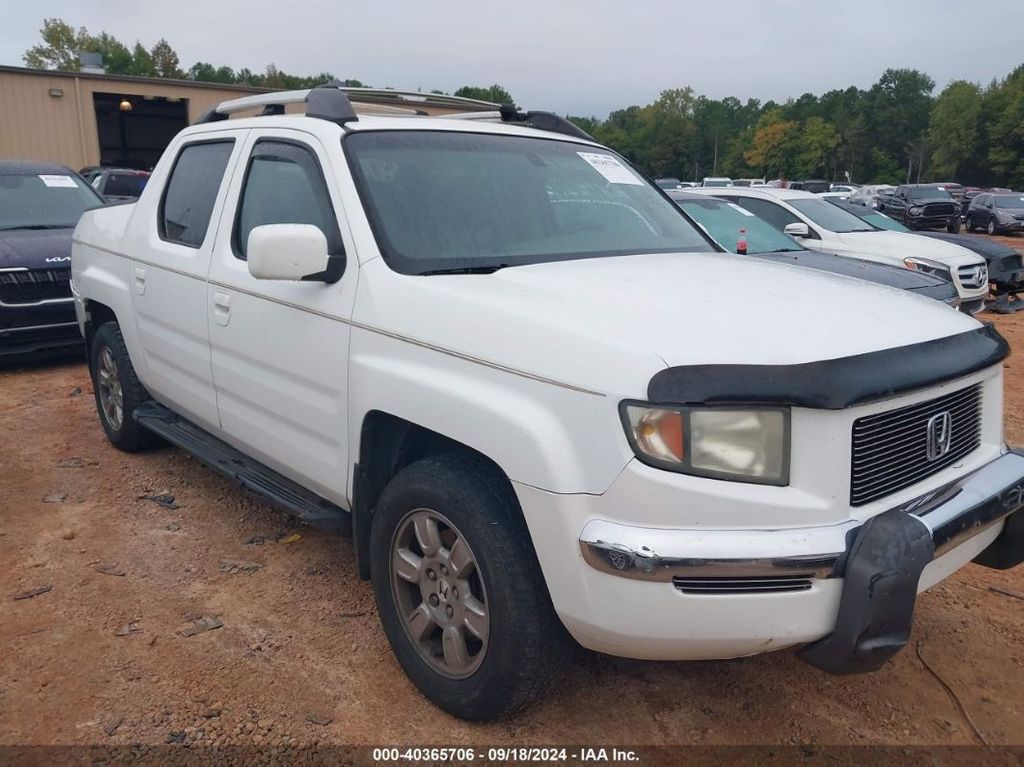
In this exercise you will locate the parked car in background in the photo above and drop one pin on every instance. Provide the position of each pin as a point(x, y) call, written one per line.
point(748, 182)
point(868, 195)
point(848, 188)
point(528, 403)
point(818, 224)
point(669, 182)
point(716, 181)
point(118, 184)
point(922, 206)
point(996, 213)
point(39, 207)
point(737, 230)
point(815, 185)
point(1005, 264)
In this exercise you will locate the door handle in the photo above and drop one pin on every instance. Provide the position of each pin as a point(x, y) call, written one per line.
point(139, 275)
point(221, 307)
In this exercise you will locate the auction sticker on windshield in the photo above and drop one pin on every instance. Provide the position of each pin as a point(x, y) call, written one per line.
point(613, 170)
point(54, 180)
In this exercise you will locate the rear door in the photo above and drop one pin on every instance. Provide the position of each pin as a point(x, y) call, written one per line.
point(169, 266)
point(279, 348)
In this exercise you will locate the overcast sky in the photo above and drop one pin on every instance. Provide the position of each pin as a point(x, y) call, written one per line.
point(577, 56)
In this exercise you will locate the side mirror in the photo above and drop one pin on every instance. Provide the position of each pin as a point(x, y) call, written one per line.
point(293, 252)
point(798, 229)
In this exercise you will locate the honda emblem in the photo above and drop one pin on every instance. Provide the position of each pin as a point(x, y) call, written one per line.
point(939, 435)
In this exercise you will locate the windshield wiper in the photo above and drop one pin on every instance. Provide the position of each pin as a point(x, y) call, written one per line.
point(36, 226)
point(490, 269)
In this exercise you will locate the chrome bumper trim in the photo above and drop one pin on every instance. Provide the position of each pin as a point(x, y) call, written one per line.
point(953, 514)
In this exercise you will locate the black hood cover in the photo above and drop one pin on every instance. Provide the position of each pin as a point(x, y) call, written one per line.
point(35, 248)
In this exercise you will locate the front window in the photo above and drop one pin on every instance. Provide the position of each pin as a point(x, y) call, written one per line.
point(829, 217)
point(452, 201)
point(44, 200)
point(1015, 201)
point(723, 221)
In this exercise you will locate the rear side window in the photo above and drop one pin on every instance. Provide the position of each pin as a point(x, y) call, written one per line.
point(191, 191)
point(284, 185)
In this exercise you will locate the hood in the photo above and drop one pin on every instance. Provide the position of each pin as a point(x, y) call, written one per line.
point(872, 271)
point(35, 248)
point(608, 324)
point(903, 244)
point(983, 246)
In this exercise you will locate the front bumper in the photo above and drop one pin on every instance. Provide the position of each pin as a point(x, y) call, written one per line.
point(860, 579)
point(31, 329)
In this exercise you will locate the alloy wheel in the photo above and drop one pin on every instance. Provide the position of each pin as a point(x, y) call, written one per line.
point(108, 383)
point(439, 592)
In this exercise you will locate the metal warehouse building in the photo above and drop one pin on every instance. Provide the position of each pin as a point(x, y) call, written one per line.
point(90, 118)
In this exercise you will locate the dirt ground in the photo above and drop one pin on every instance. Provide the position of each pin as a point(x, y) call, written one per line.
point(300, 659)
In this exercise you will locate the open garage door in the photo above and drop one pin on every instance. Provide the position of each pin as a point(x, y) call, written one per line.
point(135, 130)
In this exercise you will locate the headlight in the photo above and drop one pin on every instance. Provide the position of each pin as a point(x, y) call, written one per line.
point(916, 211)
point(740, 444)
point(928, 267)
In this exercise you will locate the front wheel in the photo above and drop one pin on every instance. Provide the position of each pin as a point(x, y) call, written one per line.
point(118, 390)
point(991, 228)
point(953, 227)
point(968, 226)
point(459, 590)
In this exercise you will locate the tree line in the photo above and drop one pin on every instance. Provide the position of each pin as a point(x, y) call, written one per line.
point(895, 131)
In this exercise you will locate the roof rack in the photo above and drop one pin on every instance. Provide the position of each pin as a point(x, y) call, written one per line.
point(332, 101)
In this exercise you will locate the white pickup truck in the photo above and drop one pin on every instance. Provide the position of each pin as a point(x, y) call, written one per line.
point(497, 354)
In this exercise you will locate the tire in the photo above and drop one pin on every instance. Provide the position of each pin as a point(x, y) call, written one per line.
point(118, 391)
point(968, 226)
point(953, 228)
point(991, 228)
point(474, 510)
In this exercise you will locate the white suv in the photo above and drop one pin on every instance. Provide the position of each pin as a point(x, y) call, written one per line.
point(482, 345)
point(819, 225)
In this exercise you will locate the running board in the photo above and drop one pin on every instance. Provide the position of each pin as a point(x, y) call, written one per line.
point(250, 474)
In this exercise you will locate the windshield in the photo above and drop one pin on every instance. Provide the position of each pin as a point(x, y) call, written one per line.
point(882, 221)
point(33, 201)
point(723, 221)
point(1009, 201)
point(443, 201)
point(125, 184)
point(828, 216)
point(930, 193)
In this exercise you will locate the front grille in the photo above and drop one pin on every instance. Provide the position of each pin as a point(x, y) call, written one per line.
point(940, 209)
point(742, 584)
point(973, 276)
point(31, 287)
point(890, 450)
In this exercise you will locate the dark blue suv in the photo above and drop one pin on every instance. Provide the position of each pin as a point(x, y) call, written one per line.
point(39, 207)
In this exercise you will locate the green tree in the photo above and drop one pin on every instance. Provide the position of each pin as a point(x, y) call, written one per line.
point(1005, 130)
point(165, 60)
point(818, 141)
point(60, 47)
point(142, 62)
point(953, 129)
point(495, 94)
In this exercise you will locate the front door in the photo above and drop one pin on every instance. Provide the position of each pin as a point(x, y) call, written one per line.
point(279, 348)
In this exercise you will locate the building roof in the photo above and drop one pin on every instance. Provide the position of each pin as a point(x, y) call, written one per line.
point(166, 81)
point(29, 168)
